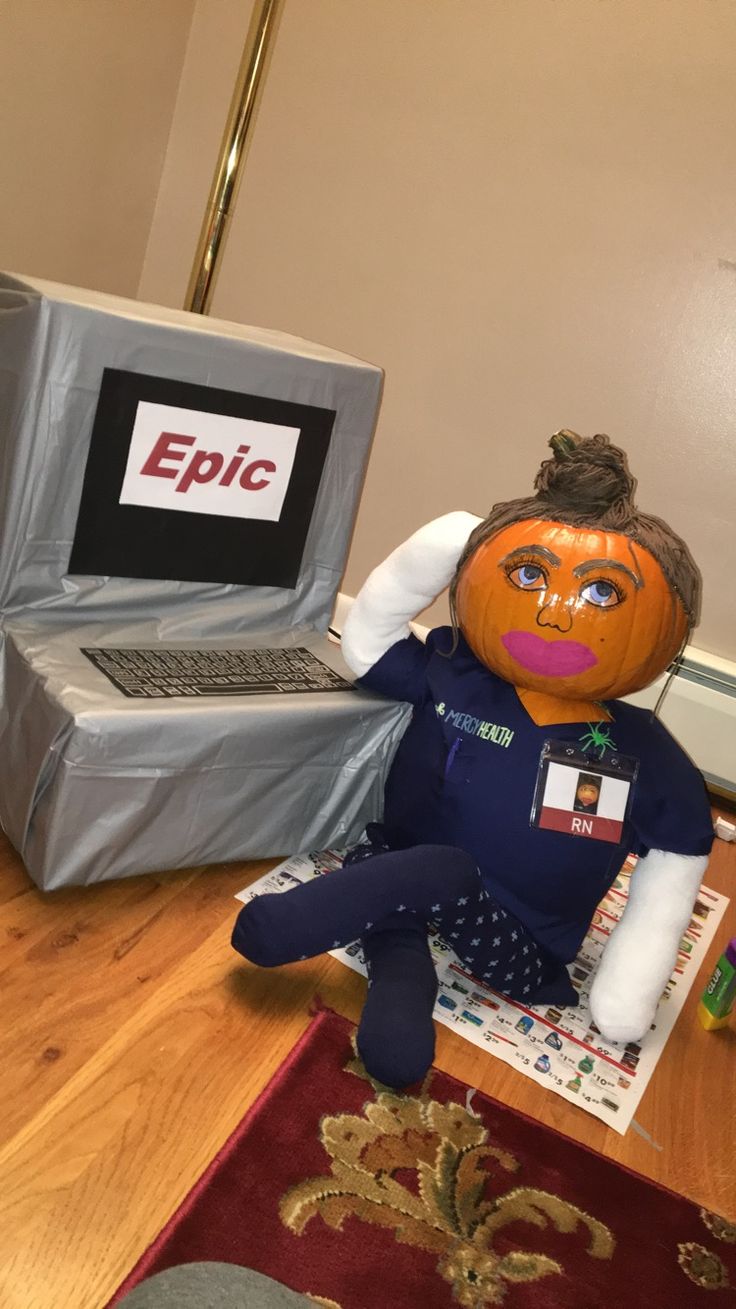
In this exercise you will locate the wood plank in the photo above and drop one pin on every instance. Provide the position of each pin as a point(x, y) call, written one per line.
point(77, 961)
point(98, 1168)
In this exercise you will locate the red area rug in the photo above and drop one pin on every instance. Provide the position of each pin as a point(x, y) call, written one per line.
point(365, 1199)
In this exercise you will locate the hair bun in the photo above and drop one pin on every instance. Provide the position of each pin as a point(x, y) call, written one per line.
point(588, 475)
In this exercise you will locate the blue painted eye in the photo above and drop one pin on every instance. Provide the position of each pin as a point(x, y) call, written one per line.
point(601, 593)
point(529, 577)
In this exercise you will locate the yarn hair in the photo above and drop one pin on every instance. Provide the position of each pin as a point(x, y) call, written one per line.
point(587, 483)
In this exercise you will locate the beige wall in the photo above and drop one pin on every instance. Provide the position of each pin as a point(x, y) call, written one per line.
point(210, 67)
point(522, 209)
point(87, 93)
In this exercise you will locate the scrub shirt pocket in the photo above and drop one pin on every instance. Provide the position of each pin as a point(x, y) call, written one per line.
point(459, 762)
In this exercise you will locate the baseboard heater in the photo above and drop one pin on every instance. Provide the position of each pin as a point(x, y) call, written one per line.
point(699, 709)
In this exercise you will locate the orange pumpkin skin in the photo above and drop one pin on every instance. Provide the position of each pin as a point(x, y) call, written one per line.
point(573, 612)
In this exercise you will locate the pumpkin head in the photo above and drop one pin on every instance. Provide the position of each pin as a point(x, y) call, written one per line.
point(573, 592)
point(575, 612)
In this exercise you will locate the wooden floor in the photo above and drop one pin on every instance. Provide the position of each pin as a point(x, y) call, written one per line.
point(133, 1040)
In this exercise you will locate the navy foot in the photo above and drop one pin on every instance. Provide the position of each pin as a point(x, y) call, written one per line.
point(396, 1033)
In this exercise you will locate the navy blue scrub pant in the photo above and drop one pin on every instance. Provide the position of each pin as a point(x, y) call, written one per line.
point(390, 900)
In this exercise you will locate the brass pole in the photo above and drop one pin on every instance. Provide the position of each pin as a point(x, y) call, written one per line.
point(233, 150)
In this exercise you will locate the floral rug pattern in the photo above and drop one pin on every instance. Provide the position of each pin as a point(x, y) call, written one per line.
point(362, 1198)
point(443, 1206)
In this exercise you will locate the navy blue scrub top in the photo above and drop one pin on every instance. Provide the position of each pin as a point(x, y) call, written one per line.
point(465, 774)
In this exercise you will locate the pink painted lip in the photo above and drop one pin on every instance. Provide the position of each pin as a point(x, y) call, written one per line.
point(551, 658)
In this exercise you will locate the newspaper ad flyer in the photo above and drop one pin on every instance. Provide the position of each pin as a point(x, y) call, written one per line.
point(561, 1049)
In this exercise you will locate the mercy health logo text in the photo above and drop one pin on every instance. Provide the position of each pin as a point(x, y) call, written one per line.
point(204, 463)
point(475, 726)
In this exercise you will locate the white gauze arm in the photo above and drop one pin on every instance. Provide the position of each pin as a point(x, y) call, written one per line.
point(640, 955)
point(412, 577)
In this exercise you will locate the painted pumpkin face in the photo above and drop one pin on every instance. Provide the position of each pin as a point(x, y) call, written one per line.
point(587, 794)
point(573, 612)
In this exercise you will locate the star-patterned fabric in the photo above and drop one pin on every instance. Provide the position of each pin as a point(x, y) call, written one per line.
point(491, 943)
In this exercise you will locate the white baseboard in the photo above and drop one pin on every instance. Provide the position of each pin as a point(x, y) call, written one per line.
point(341, 611)
point(703, 720)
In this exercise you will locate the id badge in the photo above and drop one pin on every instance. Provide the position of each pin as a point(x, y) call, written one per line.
point(583, 796)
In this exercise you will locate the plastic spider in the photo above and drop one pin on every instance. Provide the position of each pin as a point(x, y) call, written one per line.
point(597, 738)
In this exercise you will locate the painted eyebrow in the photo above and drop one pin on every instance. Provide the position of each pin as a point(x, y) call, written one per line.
point(533, 549)
point(593, 564)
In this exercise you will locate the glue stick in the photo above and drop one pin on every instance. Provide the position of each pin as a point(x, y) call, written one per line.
point(717, 999)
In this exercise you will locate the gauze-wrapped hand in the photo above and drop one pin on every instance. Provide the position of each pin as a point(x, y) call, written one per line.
point(402, 586)
point(640, 956)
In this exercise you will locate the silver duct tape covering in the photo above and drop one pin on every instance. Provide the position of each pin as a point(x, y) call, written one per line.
point(96, 785)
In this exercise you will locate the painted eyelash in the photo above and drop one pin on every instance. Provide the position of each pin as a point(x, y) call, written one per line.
point(520, 560)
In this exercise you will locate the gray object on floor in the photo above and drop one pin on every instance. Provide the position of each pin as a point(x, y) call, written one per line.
point(95, 784)
point(213, 1286)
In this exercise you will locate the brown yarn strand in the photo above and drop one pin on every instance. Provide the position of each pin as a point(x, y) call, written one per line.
point(589, 477)
point(587, 483)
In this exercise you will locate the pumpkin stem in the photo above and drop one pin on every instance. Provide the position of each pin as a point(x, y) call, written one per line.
point(563, 443)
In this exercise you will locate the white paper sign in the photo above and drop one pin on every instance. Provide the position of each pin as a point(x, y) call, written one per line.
point(197, 462)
